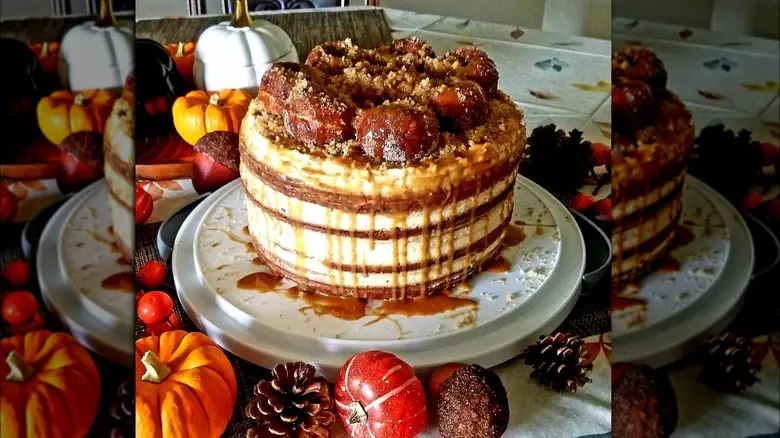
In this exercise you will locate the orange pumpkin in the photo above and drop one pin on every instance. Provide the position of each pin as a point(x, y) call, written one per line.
point(48, 55)
point(184, 56)
point(51, 386)
point(199, 112)
point(184, 386)
point(65, 112)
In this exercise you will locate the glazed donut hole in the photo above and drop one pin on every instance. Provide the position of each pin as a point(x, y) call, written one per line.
point(395, 104)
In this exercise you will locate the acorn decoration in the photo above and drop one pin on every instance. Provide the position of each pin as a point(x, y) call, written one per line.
point(295, 403)
point(560, 361)
point(557, 161)
point(726, 363)
point(122, 411)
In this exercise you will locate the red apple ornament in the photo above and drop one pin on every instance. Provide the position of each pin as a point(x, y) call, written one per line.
point(81, 162)
point(216, 162)
point(378, 396)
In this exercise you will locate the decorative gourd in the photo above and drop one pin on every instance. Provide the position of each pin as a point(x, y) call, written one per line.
point(51, 386)
point(184, 57)
point(48, 55)
point(199, 112)
point(24, 84)
point(96, 54)
point(64, 112)
point(157, 85)
point(184, 386)
point(236, 53)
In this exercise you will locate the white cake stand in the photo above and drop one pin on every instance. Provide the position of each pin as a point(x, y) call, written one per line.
point(74, 256)
point(515, 307)
point(700, 297)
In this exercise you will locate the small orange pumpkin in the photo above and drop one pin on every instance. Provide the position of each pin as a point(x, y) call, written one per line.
point(65, 112)
point(184, 386)
point(51, 386)
point(184, 56)
point(48, 55)
point(199, 112)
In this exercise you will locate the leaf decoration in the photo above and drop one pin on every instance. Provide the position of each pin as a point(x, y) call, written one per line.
point(542, 95)
point(34, 184)
point(463, 24)
point(601, 86)
point(18, 190)
point(154, 191)
point(711, 95)
point(169, 185)
point(769, 86)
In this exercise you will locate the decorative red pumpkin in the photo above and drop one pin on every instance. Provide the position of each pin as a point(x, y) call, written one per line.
point(378, 396)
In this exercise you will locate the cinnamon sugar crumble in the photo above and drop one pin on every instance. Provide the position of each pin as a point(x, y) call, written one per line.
point(368, 78)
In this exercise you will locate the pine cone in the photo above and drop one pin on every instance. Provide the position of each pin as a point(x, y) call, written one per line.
point(560, 361)
point(556, 161)
point(294, 404)
point(122, 410)
point(726, 363)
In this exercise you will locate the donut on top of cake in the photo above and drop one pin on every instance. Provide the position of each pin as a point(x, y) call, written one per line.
point(652, 137)
point(381, 173)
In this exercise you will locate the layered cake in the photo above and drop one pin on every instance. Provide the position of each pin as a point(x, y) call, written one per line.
point(385, 173)
point(118, 151)
point(652, 137)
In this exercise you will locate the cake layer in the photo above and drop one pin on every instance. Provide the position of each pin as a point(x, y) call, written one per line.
point(119, 158)
point(355, 251)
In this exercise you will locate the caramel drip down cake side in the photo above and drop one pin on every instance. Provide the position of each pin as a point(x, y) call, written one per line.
point(386, 173)
point(652, 139)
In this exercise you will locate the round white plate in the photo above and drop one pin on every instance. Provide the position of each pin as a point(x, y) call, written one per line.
point(75, 254)
point(699, 297)
point(532, 298)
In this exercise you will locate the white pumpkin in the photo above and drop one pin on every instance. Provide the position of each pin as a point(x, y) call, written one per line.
point(96, 54)
point(237, 53)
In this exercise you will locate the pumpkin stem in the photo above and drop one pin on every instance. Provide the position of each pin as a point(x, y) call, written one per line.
point(20, 371)
point(78, 99)
point(357, 414)
point(44, 50)
point(241, 17)
point(156, 371)
point(214, 99)
point(105, 17)
point(180, 50)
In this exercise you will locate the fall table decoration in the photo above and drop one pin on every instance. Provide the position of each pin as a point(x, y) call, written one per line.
point(184, 56)
point(473, 403)
point(378, 395)
point(727, 364)
point(199, 112)
point(64, 112)
point(560, 361)
point(48, 374)
point(185, 386)
point(296, 402)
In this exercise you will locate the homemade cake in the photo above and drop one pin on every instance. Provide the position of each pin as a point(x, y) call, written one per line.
point(384, 173)
point(118, 151)
point(652, 137)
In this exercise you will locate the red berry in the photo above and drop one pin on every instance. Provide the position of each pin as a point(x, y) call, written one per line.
point(581, 201)
point(138, 295)
point(174, 321)
point(143, 205)
point(157, 329)
point(774, 209)
point(769, 152)
point(155, 307)
point(602, 154)
point(9, 205)
point(17, 273)
point(152, 274)
point(437, 378)
point(38, 319)
point(19, 307)
point(24, 327)
point(752, 201)
point(208, 175)
point(602, 209)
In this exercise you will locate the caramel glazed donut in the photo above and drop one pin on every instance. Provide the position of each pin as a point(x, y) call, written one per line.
point(385, 173)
